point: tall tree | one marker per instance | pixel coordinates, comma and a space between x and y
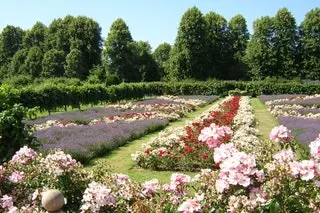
53, 63
188, 55
145, 63
36, 36
85, 35
161, 55
260, 56
118, 55
17, 63
239, 39
75, 65
285, 43
33, 62
10, 43
310, 42
58, 35
218, 46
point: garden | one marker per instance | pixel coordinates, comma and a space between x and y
168, 153
221, 120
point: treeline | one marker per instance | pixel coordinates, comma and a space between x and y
206, 46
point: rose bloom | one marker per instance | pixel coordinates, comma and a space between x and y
315, 149
280, 134
190, 206
16, 177
179, 179
24, 155
6, 202
150, 187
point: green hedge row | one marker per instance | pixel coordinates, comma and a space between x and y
51, 96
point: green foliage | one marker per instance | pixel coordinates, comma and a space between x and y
10, 43
53, 63
33, 62
36, 36
85, 36
118, 55
161, 55
61, 92
14, 133
285, 41
18, 81
189, 51
239, 39
75, 65
16, 66
260, 55
218, 45
57, 34
310, 43
145, 63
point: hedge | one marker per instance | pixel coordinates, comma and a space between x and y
49, 96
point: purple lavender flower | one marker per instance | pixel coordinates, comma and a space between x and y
305, 130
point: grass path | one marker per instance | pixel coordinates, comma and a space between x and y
120, 160
265, 121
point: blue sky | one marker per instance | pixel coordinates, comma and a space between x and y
148, 20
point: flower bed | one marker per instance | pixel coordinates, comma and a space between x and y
239, 183
87, 140
188, 148
163, 107
300, 114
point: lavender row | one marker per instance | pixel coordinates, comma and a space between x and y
304, 130
85, 142
265, 98
99, 112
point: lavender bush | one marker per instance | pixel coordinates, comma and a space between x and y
265, 98
304, 129
85, 142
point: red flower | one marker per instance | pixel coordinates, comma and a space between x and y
204, 156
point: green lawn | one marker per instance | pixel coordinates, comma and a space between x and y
265, 121
120, 160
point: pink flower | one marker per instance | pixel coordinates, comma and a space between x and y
6, 202
16, 177
307, 169
59, 163
122, 179
280, 134
285, 156
97, 196
294, 168
315, 149
212, 135
150, 187
24, 156
223, 152
190, 206
260, 176
257, 195
221, 185
179, 179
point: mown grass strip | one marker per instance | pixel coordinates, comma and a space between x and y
265, 121
119, 160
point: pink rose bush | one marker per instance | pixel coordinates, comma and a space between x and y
280, 134
315, 148
213, 134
